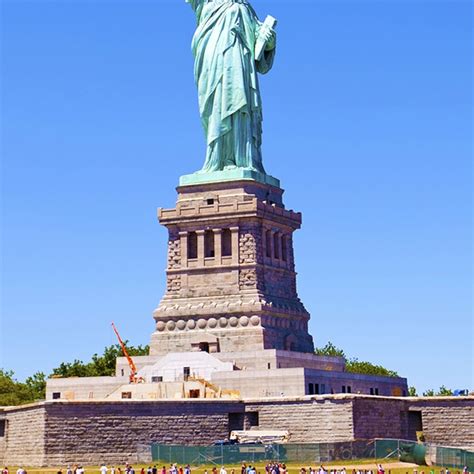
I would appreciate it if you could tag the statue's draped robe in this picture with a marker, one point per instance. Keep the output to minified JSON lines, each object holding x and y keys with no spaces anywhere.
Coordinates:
{"x":226,"y":75}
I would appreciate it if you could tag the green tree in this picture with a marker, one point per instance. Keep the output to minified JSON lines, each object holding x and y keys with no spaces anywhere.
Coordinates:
{"x":100,"y":365}
{"x":13,"y":392}
{"x":354,"y":365}
{"x":105,"y":364}
{"x":330,"y":350}
{"x":444,"y":392}
{"x":72,"y":369}
{"x":37,"y":386}
{"x":412,"y":392}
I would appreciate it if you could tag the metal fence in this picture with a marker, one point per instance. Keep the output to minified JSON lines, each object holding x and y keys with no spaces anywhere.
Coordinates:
{"x":379,"y":449}
{"x":423,"y":454}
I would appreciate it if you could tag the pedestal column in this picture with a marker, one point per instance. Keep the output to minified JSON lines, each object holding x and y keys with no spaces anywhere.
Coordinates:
{"x":184,"y":248}
{"x":235,"y":245}
{"x":218,"y":246}
{"x":200,"y":247}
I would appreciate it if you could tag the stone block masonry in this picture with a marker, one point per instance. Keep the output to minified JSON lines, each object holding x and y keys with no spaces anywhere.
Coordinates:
{"x":114,"y":432}
{"x":25,"y":436}
{"x":447,"y":421}
{"x":60,"y":433}
{"x":308,"y":421}
{"x":230,"y":262}
{"x":380,"y":418}
{"x":3,"y":441}
{"x":89,"y":433}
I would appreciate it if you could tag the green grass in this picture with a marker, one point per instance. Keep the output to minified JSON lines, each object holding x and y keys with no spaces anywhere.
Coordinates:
{"x":293,"y":468}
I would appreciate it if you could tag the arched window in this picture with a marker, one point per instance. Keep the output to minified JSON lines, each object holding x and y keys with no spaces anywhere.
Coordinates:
{"x":276,"y":245}
{"x":268,"y":241}
{"x":284,"y":248}
{"x":209,"y":251}
{"x":291,"y":343}
{"x":192,"y":245}
{"x":226,"y":243}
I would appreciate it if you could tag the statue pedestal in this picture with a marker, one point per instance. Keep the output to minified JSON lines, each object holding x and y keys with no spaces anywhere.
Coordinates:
{"x":231,"y":281}
{"x":235,"y":174}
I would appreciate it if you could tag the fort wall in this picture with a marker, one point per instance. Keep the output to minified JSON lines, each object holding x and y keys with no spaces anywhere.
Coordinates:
{"x":447,"y":421}
{"x":117,"y":432}
{"x":92,"y":432}
{"x":309,"y":420}
{"x":25,"y":435}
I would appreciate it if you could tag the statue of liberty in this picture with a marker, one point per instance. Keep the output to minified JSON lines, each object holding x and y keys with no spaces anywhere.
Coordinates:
{"x":230,"y":46}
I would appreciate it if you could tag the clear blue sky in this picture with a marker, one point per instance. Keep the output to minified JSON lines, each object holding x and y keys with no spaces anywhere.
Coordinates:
{"x":367,"y":124}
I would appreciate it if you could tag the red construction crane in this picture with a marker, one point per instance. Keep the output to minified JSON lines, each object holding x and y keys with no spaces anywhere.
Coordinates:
{"x":133,"y":368}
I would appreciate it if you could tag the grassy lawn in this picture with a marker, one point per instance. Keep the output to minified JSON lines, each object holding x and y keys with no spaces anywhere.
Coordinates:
{"x":293,"y":468}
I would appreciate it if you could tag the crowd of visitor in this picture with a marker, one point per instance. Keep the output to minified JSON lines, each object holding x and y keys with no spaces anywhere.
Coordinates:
{"x":270,"y":468}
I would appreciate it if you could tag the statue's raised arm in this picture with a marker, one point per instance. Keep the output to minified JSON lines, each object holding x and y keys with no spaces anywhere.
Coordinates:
{"x":224,"y":45}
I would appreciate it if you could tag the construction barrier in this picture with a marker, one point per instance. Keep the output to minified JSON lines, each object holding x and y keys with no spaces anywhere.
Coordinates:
{"x":379,"y":450}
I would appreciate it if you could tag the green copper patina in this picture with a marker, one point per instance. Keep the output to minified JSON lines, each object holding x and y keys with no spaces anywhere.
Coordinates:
{"x":230,"y":47}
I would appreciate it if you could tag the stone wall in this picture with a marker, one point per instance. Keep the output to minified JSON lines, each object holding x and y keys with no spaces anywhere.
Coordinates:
{"x":250,"y":244}
{"x":114,"y":432}
{"x":376,"y":417}
{"x":3,"y":447}
{"x":232,"y":273}
{"x":347,"y":382}
{"x":174,"y":250}
{"x":309,"y":420}
{"x":3,"y":432}
{"x":25,"y":436}
{"x":263,"y":383}
{"x":83,"y":388}
{"x":57,"y":433}
{"x":447,"y":422}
